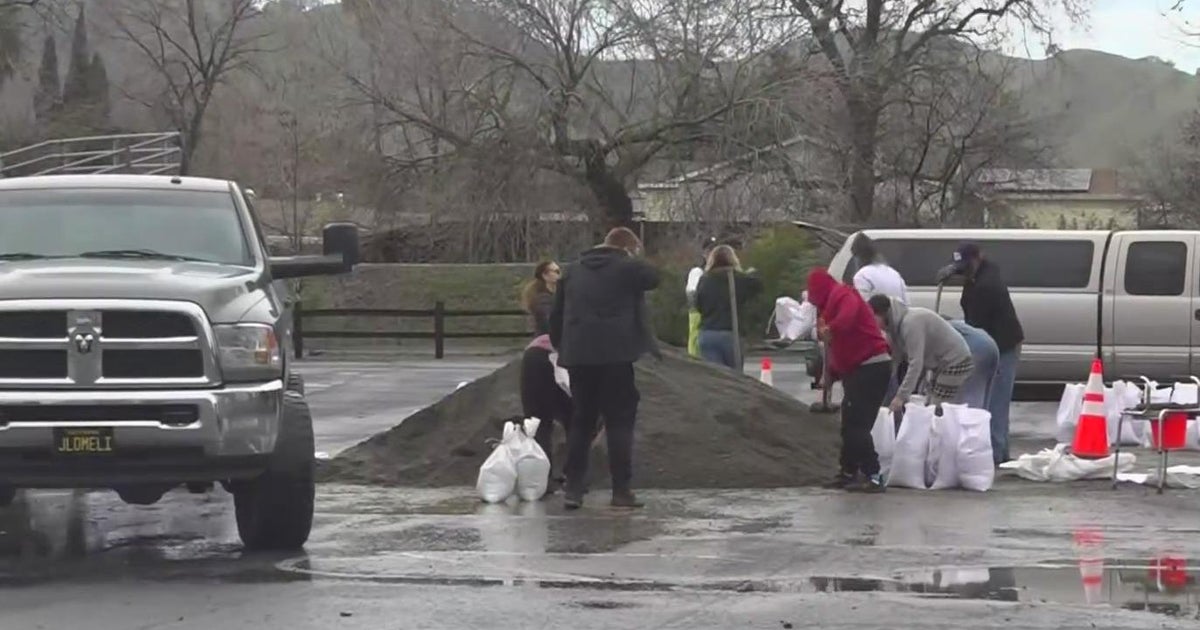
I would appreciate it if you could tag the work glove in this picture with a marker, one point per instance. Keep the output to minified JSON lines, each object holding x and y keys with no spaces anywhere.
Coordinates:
{"x":945,"y":273}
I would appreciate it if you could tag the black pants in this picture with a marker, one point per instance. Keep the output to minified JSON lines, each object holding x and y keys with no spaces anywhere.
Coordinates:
{"x":609,"y":390}
{"x":864,"y":388}
{"x":542,"y":398}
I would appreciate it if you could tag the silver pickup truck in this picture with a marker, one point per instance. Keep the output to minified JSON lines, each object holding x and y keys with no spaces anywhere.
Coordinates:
{"x":1131,"y":296}
{"x":144,"y":345}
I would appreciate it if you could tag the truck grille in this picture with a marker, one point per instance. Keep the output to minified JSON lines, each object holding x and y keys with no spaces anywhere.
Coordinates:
{"x":105,"y":344}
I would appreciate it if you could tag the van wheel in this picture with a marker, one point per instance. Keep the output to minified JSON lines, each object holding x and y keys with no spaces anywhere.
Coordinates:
{"x":275,"y":510}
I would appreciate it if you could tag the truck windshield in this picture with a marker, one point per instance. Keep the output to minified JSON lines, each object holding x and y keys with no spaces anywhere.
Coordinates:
{"x":122,"y":223}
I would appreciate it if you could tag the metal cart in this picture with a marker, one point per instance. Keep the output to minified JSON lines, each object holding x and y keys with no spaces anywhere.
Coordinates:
{"x":1154,"y":412}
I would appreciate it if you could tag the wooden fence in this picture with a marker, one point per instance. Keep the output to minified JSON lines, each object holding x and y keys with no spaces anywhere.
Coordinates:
{"x":439,"y":314}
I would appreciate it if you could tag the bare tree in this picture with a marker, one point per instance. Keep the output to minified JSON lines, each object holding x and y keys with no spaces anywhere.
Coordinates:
{"x":952,"y":117}
{"x":593,"y":89}
{"x":191,"y":46}
{"x":1167,"y":178}
{"x":872,"y":45}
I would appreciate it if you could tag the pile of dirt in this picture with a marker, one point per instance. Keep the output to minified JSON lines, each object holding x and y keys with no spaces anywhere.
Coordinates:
{"x":698,"y":426}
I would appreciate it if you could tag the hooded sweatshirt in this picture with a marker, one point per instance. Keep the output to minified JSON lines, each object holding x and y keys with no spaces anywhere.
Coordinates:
{"x":856,"y":335}
{"x":926,"y":340}
{"x":599,"y":313}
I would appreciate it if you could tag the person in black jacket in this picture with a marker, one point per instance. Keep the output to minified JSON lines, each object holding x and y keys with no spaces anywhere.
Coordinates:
{"x":600,"y":328}
{"x":717,"y":336}
{"x":987,"y":304}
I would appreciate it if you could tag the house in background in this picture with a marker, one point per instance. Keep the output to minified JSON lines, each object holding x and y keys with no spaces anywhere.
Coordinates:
{"x":1070,"y":198}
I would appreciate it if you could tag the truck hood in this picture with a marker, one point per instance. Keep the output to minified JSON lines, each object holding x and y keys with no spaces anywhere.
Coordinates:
{"x":225,"y":292}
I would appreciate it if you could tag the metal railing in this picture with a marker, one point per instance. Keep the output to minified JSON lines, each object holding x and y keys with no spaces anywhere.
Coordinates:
{"x":157,"y":153}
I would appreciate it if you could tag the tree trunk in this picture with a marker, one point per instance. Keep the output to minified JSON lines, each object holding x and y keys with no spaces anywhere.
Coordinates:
{"x":864,"y":118}
{"x":610,"y":193}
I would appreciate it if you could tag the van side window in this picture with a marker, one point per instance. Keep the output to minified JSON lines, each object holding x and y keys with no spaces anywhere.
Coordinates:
{"x":1155,"y":268}
{"x":1040,"y":264}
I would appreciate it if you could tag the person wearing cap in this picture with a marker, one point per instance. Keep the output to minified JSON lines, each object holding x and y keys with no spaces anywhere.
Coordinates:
{"x":987,"y":304}
{"x":927,"y":342}
{"x":689,"y":289}
{"x":859,"y":357}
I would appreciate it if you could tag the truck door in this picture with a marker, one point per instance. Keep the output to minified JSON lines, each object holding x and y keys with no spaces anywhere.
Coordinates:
{"x":1153,"y":304}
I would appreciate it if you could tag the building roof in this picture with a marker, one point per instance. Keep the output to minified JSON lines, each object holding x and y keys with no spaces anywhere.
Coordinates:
{"x":42,"y":182}
{"x":700,"y":173}
{"x":1056,"y":181}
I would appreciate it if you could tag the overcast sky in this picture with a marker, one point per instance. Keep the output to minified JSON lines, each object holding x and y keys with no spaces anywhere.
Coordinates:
{"x":1131,"y":28}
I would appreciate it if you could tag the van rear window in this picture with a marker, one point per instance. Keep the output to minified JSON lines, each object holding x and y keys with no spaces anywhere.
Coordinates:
{"x":1048,"y":264}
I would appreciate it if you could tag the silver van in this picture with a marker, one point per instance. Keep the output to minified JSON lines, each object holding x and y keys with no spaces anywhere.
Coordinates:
{"x":1131,"y":296}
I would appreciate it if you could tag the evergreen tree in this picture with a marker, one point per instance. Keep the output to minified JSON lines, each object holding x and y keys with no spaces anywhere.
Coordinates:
{"x":75,"y":90}
{"x":48,"y":97}
{"x":97,"y":92}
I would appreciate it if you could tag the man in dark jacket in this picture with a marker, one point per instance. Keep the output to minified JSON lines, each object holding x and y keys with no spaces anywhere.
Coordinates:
{"x":986,"y":304}
{"x":600,"y":329}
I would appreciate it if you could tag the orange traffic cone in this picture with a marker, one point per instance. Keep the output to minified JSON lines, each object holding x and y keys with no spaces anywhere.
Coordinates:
{"x":764,"y":374}
{"x":1091,"y":434}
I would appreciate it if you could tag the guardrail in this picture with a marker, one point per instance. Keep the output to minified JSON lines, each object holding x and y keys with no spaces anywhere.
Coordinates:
{"x":439,"y":314}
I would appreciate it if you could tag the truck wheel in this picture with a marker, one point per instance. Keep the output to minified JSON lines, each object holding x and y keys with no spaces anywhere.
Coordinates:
{"x":295,"y":383}
{"x":275,"y":510}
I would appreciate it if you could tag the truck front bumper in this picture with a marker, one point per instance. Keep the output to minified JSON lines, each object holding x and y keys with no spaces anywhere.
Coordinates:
{"x":207,"y":435}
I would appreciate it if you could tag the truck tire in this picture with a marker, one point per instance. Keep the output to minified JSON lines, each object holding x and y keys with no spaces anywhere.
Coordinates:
{"x":275,"y":510}
{"x":295,"y":383}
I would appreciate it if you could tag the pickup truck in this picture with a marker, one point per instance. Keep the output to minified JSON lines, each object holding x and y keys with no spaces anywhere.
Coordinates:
{"x":1131,"y":297}
{"x":145,"y":343}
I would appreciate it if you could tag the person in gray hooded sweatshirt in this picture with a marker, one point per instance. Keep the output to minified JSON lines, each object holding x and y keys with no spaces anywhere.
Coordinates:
{"x":929,"y":343}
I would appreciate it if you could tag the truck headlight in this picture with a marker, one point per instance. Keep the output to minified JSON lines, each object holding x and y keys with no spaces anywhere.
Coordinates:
{"x":248,"y":352}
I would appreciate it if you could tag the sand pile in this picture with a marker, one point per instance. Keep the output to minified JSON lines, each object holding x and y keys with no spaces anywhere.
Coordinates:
{"x":698,"y":427}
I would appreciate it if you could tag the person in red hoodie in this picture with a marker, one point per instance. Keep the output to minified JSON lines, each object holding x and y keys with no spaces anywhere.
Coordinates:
{"x":859,"y":357}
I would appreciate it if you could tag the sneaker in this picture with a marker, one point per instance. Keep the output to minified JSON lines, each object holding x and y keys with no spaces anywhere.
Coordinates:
{"x":873,"y":485}
{"x":841,"y":481}
{"x":626,"y":500}
{"x":572,"y":500}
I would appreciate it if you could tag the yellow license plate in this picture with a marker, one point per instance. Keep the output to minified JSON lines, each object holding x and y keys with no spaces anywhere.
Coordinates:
{"x":84,"y":441}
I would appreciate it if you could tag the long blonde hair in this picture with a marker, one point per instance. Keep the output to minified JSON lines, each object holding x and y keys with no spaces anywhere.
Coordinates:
{"x":722,"y":256}
{"x":536,"y":286}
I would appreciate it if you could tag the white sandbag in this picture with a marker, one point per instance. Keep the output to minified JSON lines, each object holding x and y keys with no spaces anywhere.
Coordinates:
{"x":498,"y":475}
{"x":794,"y":319}
{"x":1067,"y":417}
{"x":912,"y":448}
{"x":884,"y":436}
{"x":949,"y":435}
{"x":1057,"y":465}
{"x":561,"y":376}
{"x":976,"y":470}
{"x":533,"y":467}
{"x":1121,"y":396}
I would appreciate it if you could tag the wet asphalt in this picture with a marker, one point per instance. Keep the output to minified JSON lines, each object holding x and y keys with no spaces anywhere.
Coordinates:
{"x":1022,"y":555}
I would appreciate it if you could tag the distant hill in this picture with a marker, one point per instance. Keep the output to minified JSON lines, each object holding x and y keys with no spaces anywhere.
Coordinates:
{"x":1105,"y":106}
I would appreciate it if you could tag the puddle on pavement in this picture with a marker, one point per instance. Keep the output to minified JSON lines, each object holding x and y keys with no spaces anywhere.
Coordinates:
{"x":1167,"y":586}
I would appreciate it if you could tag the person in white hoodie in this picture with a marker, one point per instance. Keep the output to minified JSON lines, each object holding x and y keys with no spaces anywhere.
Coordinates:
{"x":927,"y":342}
{"x":874,"y":276}
{"x":689,"y":290}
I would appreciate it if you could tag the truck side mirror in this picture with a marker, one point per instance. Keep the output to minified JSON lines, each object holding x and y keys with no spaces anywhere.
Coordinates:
{"x":341,"y":239}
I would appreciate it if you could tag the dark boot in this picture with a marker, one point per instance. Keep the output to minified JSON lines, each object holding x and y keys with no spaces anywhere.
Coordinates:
{"x":572,"y":498}
{"x":842,"y":480}
{"x":625,"y":499}
{"x":870,"y":485}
